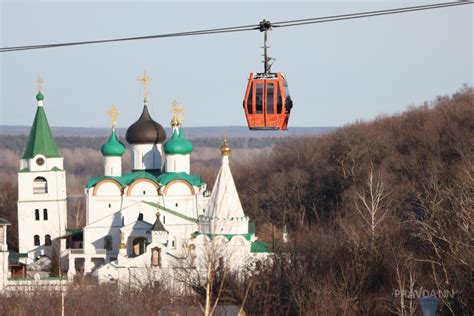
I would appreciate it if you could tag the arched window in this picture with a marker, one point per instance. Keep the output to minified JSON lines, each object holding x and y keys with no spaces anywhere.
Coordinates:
{"x":108,"y":243}
{"x":40,"y":185}
{"x":155,"y":257}
{"x":45,"y":214}
{"x":139,"y":246}
{"x":37,"y":215}
{"x":37,"y":240}
{"x":140,"y":216}
{"x":47,"y":240}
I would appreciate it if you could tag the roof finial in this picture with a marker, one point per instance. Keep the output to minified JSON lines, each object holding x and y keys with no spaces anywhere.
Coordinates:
{"x":113,"y":113}
{"x":177,"y":111}
{"x":225,"y":148}
{"x":39,"y":84}
{"x":39,"y":95}
{"x":145,"y":81}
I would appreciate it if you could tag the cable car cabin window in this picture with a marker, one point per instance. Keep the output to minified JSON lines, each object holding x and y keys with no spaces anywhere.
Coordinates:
{"x":270,"y":89}
{"x":288,"y":101}
{"x":249,"y":101}
{"x":285,"y":86}
{"x":259,"y":99}
{"x":279,"y":101}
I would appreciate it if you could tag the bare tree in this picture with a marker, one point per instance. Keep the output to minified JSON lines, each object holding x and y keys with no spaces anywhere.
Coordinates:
{"x":371,"y":201}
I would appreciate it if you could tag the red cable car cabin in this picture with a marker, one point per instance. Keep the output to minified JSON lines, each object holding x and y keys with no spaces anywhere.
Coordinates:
{"x":267,"y":102}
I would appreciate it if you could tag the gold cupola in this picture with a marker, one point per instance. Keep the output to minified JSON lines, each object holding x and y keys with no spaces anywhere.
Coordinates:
{"x":225,"y":148}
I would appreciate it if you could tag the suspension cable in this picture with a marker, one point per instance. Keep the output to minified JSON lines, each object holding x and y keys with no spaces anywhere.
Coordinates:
{"x":251,"y":27}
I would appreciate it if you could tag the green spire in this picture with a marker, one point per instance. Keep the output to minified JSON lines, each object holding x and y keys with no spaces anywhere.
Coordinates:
{"x":178,"y":144}
{"x":113,"y":147}
{"x":40,"y":140}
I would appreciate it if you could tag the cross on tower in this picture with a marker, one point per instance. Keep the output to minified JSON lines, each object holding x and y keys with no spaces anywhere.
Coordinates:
{"x":39,"y":84}
{"x":178,"y":112}
{"x":113,"y":113}
{"x":145,"y":81}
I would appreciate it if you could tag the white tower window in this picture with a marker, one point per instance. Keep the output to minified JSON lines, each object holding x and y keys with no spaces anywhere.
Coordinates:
{"x":37,"y":215}
{"x":40,"y":185}
{"x":45,"y":214}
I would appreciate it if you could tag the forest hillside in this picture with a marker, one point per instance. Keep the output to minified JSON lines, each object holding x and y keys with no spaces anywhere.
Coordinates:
{"x":377,"y":212}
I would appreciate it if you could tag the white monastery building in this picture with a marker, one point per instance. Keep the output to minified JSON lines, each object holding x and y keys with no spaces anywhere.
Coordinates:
{"x":140,"y":225}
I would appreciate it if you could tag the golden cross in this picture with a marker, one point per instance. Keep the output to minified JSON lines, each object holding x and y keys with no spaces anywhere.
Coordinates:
{"x":145,"y":81}
{"x":113,"y":113}
{"x":178,"y":111}
{"x":39,"y":84}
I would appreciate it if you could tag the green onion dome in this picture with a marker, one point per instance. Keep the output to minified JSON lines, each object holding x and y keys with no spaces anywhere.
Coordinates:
{"x":178,"y":144}
{"x":39,"y":96}
{"x":113,"y":147}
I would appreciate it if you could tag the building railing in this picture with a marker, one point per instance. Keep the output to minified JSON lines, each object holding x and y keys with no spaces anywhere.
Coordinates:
{"x":81,"y":252}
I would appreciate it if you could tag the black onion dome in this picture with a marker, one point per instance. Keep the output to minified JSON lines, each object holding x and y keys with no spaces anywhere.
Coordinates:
{"x":145,"y":130}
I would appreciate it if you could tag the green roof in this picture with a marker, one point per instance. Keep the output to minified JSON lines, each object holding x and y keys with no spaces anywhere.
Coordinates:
{"x":259,"y":246}
{"x":15,"y":256}
{"x":113,"y":147}
{"x":3,"y":221}
{"x":124,"y":180}
{"x":40,"y":140}
{"x":178,"y":144}
{"x":227,"y":236}
{"x":175,"y":213}
{"x":163,"y":178}
{"x":167,"y":177}
{"x":73,"y":231}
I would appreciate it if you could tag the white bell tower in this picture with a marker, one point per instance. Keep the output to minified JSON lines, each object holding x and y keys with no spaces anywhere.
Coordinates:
{"x":42,"y":205}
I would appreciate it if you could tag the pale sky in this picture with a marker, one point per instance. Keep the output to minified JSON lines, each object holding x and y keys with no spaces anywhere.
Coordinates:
{"x":338,"y":72}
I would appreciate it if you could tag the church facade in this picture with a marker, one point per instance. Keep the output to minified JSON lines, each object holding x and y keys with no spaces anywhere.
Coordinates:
{"x":142,"y":225}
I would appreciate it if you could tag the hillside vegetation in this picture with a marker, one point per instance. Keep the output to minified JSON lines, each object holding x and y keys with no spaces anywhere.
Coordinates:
{"x":378,"y":213}
{"x":372,"y":208}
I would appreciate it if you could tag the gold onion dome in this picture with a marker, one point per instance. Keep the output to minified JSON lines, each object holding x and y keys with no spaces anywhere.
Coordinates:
{"x":225,"y":148}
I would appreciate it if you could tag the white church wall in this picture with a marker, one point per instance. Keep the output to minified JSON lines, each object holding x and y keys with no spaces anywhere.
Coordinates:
{"x":94,"y":238}
{"x":184,"y":204}
{"x":55,"y":186}
{"x":178,"y":163}
{"x":29,"y":225}
{"x":48,"y":163}
{"x":225,"y":226}
{"x":147,"y":156}
{"x":102,"y":206}
{"x":178,"y":188}
{"x":113,"y":166}
{"x":107,"y":188}
{"x":142,"y":187}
